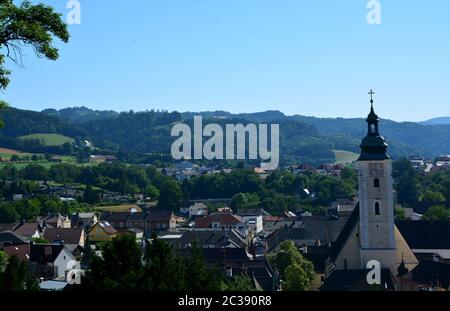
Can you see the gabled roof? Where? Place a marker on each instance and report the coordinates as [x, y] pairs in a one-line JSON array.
[[351, 223], [114, 216], [21, 251], [422, 234], [107, 227], [8, 227], [27, 229], [86, 215], [212, 238], [162, 216], [68, 235], [45, 253], [224, 219], [12, 238]]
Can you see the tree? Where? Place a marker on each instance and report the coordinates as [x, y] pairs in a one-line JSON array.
[[438, 212], [152, 192], [296, 278], [3, 261], [8, 214], [431, 198], [240, 283], [400, 213], [90, 196], [289, 261], [163, 271], [170, 195], [119, 268], [239, 201], [28, 25], [35, 172], [199, 277], [17, 277], [406, 183]]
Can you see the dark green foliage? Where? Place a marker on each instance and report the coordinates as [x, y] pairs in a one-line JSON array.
[[28, 24], [163, 271], [438, 212], [199, 276], [40, 241], [170, 197], [81, 114], [90, 196], [119, 268], [16, 277], [240, 283], [40, 205], [406, 183], [296, 272], [123, 266]]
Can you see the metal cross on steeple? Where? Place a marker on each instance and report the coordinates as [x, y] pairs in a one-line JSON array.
[[371, 93]]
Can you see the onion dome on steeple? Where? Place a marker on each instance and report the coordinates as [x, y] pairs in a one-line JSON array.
[[373, 146]]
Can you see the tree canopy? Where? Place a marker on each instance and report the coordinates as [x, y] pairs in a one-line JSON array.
[[28, 25]]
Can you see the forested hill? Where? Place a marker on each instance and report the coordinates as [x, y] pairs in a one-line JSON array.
[[24, 122], [81, 114], [303, 139], [404, 137]]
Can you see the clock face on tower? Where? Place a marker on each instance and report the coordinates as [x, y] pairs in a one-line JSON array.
[[376, 170]]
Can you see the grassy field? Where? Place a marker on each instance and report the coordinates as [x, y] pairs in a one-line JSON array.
[[345, 157], [50, 139], [6, 154]]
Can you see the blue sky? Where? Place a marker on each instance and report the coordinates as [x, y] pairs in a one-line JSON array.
[[304, 57]]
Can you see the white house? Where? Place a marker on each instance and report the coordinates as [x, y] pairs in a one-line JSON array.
[[50, 261], [198, 210]]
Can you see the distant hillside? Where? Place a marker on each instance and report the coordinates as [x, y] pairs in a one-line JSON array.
[[405, 138], [23, 122], [81, 114], [302, 139], [437, 121]]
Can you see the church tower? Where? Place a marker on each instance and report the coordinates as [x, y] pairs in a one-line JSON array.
[[375, 189], [370, 232]]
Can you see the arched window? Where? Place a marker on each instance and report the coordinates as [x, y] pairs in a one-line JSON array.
[[373, 128], [376, 183], [377, 208]]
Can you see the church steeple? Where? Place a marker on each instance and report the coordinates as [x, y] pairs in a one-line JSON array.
[[372, 118], [373, 146]]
